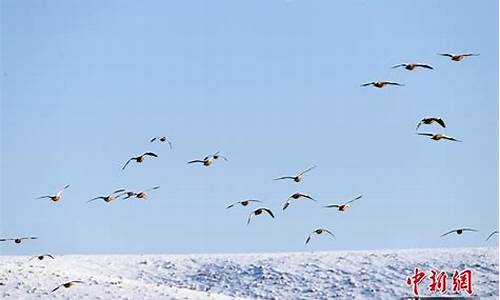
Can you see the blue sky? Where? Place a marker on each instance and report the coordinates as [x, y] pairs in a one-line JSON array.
[[273, 85]]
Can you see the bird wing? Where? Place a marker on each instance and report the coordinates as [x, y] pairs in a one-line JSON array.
[[367, 84], [41, 197], [469, 229], [470, 54], [332, 206], [153, 188], [329, 232], [48, 255], [307, 170], [125, 165], [397, 66], [65, 187], [393, 83], [492, 234], [440, 122], [418, 125], [284, 177], [151, 154], [118, 191], [169, 143], [153, 139], [308, 239], [446, 54], [250, 217], [231, 205], [97, 198], [287, 203], [195, 161], [268, 211], [424, 66], [4, 240], [451, 231], [57, 287], [357, 198], [29, 238], [308, 197], [451, 139], [253, 200], [426, 134]]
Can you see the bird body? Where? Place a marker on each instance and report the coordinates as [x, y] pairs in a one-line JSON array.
[[431, 120]]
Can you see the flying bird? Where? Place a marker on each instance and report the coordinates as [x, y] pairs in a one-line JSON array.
[[458, 231], [67, 284], [344, 206], [439, 136], [19, 240], [139, 159], [431, 120], [258, 212], [297, 178], [108, 198], [318, 232], [381, 84], [41, 257], [209, 159], [162, 139], [492, 234], [140, 195], [296, 196], [244, 202], [458, 57], [56, 197], [411, 67]]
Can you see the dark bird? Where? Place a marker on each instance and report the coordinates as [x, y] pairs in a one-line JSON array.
[[56, 197], [108, 198], [244, 202], [439, 136], [381, 84], [67, 284], [411, 67], [19, 240], [258, 212], [162, 139], [492, 234], [297, 178], [458, 231], [139, 159], [140, 194], [431, 120], [318, 232], [41, 257], [458, 57], [344, 206], [296, 196], [209, 159]]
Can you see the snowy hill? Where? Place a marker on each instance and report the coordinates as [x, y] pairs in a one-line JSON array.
[[309, 275]]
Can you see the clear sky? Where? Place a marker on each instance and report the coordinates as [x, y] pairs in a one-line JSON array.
[[275, 86]]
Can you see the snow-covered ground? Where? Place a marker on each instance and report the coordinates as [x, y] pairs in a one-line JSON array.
[[308, 275]]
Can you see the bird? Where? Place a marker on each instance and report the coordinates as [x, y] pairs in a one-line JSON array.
[[319, 231], [244, 202], [57, 196], [41, 257], [492, 234], [381, 84], [458, 57], [431, 120], [67, 285], [259, 211], [162, 139], [208, 160], [411, 67], [297, 178], [344, 206], [140, 158], [109, 197], [140, 195], [296, 196], [439, 136], [459, 231], [19, 240]]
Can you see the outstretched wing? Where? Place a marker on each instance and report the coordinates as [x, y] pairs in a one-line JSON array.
[[357, 198], [469, 229], [284, 177], [118, 191], [492, 234], [451, 139], [153, 139], [231, 205], [393, 83], [425, 66], [308, 239], [195, 161], [250, 217], [126, 164], [287, 203], [397, 66], [268, 211], [57, 287], [440, 122], [367, 84], [418, 125], [42, 197], [153, 188], [332, 206], [471, 54], [307, 170], [308, 197], [329, 232], [426, 134], [97, 198], [4, 240], [451, 231], [446, 54], [150, 154]]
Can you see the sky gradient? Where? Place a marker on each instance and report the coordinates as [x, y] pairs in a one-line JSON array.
[[275, 86]]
